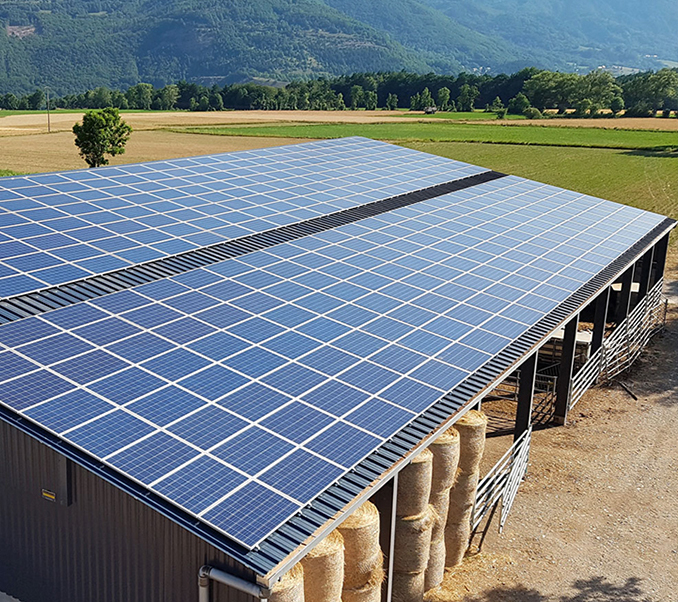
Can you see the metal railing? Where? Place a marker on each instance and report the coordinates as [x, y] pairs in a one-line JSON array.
[[624, 345], [502, 481]]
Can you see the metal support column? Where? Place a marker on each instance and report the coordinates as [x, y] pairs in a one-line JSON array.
[[564, 383], [644, 273], [624, 300], [660, 250], [391, 546], [528, 375], [600, 319]]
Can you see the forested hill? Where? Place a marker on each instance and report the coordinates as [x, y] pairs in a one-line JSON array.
[[72, 45]]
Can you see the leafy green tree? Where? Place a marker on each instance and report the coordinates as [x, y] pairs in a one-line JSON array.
[[582, 107], [467, 97], [617, 105], [140, 96], [496, 105], [552, 89], [101, 133], [426, 99], [216, 102], [415, 102], [453, 107], [10, 102], [100, 98], [340, 104], [599, 87], [357, 97], [518, 104], [443, 98], [532, 113], [204, 103], [36, 100], [370, 100], [166, 98], [392, 102]]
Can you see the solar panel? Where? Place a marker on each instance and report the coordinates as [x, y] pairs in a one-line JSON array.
[[278, 371], [63, 227]]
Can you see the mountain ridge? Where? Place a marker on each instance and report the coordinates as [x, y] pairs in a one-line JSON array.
[[72, 45]]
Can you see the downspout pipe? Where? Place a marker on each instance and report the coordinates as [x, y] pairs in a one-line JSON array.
[[207, 572]]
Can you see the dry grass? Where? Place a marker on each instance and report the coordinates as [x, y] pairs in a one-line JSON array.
[[56, 152], [36, 123]]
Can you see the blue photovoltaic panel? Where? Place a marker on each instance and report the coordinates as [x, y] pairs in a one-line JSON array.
[[61, 227], [276, 377]]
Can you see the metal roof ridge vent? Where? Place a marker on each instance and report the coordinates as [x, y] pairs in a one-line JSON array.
[[102, 284]]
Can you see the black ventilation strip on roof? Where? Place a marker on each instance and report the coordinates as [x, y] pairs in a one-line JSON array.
[[288, 538], [30, 304]]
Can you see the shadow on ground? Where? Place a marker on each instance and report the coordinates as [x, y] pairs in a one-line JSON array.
[[595, 589]]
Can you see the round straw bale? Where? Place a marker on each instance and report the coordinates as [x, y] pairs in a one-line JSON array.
[[435, 571], [457, 536], [462, 496], [362, 554], [471, 427], [324, 570], [290, 588], [413, 541], [441, 504], [369, 592], [414, 485], [408, 587], [445, 450]]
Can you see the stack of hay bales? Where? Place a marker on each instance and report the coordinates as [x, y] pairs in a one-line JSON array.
[[414, 524], [290, 588], [445, 450], [324, 570], [364, 562], [471, 428]]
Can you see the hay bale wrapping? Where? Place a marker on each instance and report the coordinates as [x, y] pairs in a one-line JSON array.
[[413, 541], [324, 570], [445, 450], [471, 427], [290, 588], [435, 571], [441, 504], [409, 587], [369, 592], [414, 485], [362, 554]]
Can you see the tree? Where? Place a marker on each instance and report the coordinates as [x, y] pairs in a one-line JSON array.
[[617, 105], [392, 102], [371, 100], [497, 105], [101, 133], [340, 104], [443, 98], [518, 104], [426, 99], [36, 100], [140, 96], [415, 102], [357, 97], [467, 97]]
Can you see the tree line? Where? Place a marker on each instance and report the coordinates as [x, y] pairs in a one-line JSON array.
[[529, 92]]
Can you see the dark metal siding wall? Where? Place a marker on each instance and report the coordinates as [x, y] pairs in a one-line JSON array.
[[105, 547]]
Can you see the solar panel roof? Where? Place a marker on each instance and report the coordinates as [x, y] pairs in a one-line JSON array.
[[63, 227], [241, 391]]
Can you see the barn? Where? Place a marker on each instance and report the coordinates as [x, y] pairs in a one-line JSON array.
[[208, 364]]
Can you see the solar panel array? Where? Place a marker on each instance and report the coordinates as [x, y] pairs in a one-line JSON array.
[[63, 227], [241, 391]]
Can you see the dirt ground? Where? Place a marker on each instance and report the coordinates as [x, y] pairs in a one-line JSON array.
[[56, 152], [12, 125], [597, 518]]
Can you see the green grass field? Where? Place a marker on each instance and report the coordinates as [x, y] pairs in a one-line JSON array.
[[461, 132], [643, 179]]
